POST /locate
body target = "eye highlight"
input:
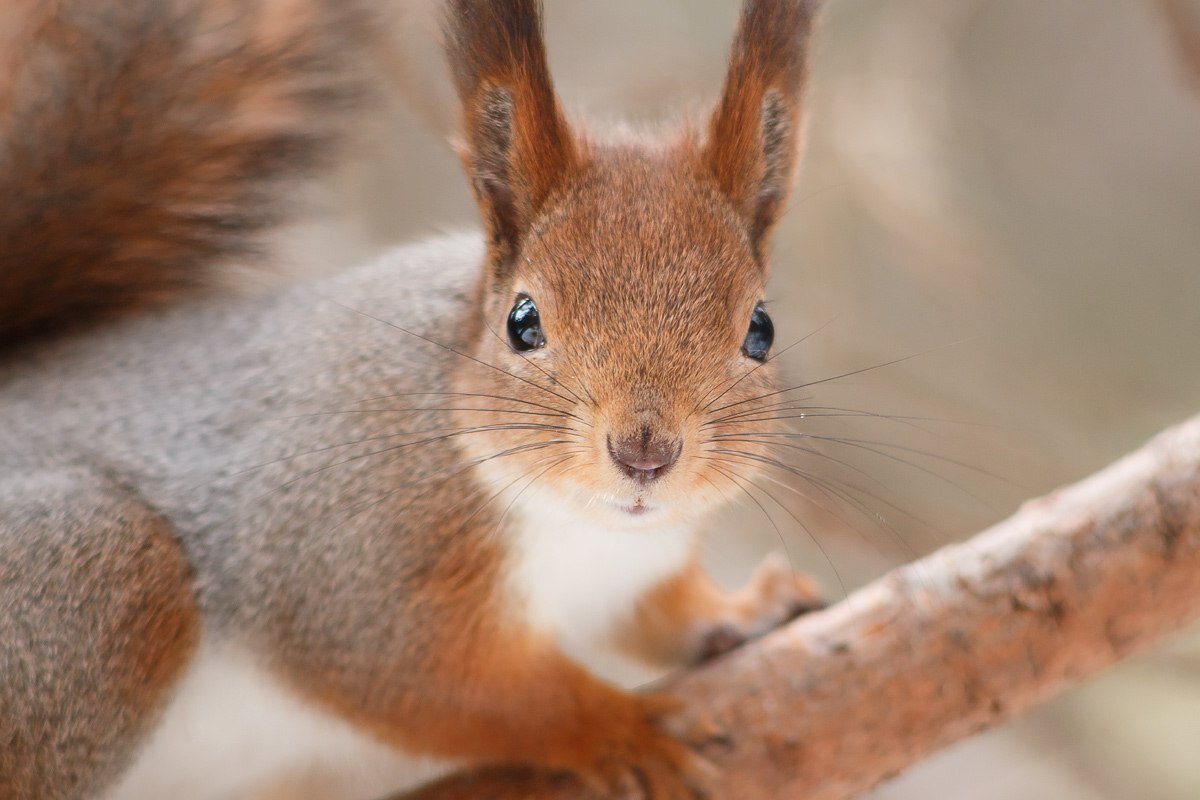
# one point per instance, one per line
(760, 336)
(525, 325)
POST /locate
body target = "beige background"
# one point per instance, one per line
(1007, 190)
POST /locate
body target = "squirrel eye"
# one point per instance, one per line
(760, 336)
(525, 326)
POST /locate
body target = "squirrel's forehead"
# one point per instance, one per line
(641, 242)
(627, 277)
(632, 196)
(593, 307)
(651, 239)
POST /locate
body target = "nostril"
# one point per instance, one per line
(642, 457)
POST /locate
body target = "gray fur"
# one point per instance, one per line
(93, 590)
(183, 409)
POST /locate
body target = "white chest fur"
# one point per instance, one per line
(231, 732)
(578, 578)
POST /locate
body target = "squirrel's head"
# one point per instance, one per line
(622, 316)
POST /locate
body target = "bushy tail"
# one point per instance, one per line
(144, 141)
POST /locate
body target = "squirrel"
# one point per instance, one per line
(402, 519)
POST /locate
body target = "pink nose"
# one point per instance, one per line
(643, 456)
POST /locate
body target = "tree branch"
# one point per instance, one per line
(945, 647)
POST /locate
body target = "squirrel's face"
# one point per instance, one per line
(622, 345)
(633, 315)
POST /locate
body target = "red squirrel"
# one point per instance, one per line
(409, 517)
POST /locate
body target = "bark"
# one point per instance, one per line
(945, 647)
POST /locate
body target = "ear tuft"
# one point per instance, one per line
(753, 139)
(516, 145)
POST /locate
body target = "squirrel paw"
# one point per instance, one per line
(775, 594)
(646, 762)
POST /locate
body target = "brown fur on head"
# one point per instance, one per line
(645, 260)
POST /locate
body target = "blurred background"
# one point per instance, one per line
(1005, 194)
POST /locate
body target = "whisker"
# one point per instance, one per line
(429, 409)
(756, 439)
(539, 368)
(776, 411)
(449, 349)
(453, 432)
(524, 473)
(377, 501)
(803, 527)
(883, 524)
(770, 360)
(828, 488)
(505, 398)
(876, 497)
(842, 490)
(311, 473)
(832, 378)
(826, 491)
(778, 533)
(871, 446)
(750, 411)
(517, 496)
(448, 473)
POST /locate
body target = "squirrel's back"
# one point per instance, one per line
(142, 142)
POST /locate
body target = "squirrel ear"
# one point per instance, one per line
(753, 137)
(515, 144)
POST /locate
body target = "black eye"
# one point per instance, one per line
(525, 326)
(760, 336)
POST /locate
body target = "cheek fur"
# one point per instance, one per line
(538, 421)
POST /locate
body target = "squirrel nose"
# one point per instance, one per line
(644, 457)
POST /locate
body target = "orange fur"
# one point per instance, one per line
(619, 243)
(646, 258)
(517, 147)
(121, 193)
(408, 616)
(492, 691)
(754, 135)
(689, 617)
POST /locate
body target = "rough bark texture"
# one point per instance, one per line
(945, 647)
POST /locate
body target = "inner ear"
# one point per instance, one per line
(778, 148)
(517, 148)
(490, 156)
